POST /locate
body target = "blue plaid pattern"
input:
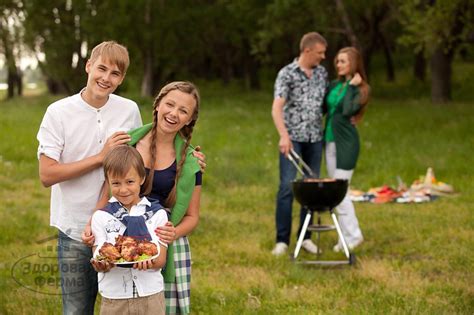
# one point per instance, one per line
(178, 293)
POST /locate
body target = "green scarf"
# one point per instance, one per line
(184, 188)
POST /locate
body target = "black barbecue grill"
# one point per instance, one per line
(319, 195)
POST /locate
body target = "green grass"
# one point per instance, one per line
(417, 259)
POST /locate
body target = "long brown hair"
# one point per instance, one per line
(357, 66)
(185, 132)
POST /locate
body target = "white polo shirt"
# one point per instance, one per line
(72, 130)
(118, 282)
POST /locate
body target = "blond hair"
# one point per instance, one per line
(112, 52)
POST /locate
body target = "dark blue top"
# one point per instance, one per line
(163, 182)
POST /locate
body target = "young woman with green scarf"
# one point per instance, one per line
(346, 103)
(174, 178)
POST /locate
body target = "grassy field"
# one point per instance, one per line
(417, 259)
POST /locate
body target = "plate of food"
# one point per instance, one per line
(127, 251)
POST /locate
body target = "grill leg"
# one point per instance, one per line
(339, 232)
(318, 242)
(303, 231)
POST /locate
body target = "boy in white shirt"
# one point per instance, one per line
(75, 135)
(137, 290)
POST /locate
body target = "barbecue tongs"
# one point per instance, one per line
(296, 159)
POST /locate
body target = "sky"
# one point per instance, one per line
(24, 62)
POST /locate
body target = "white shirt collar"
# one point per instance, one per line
(88, 106)
(143, 202)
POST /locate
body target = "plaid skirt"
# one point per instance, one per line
(178, 293)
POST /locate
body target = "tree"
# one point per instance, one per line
(369, 25)
(56, 28)
(156, 33)
(10, 44)
(438, 28)
(348, 30)
(171, 40)
(226, 47)
(376, 27)
(283, 23)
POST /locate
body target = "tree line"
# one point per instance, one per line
(229, 40)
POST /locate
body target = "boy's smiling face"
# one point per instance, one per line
(126, 189)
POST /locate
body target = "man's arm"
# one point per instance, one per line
(52, 172)
(285, 144)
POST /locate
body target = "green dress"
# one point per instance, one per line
(343, 102)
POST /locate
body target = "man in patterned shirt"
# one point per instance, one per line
(297, 112)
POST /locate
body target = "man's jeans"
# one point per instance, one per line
(78, 278)
(311, 154)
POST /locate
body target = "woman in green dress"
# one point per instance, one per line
(346, 103)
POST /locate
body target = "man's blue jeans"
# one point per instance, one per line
(78, 278)
(311, 154)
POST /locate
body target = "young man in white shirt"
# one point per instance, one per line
(75, 135)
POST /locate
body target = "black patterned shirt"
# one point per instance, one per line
(304, 97)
